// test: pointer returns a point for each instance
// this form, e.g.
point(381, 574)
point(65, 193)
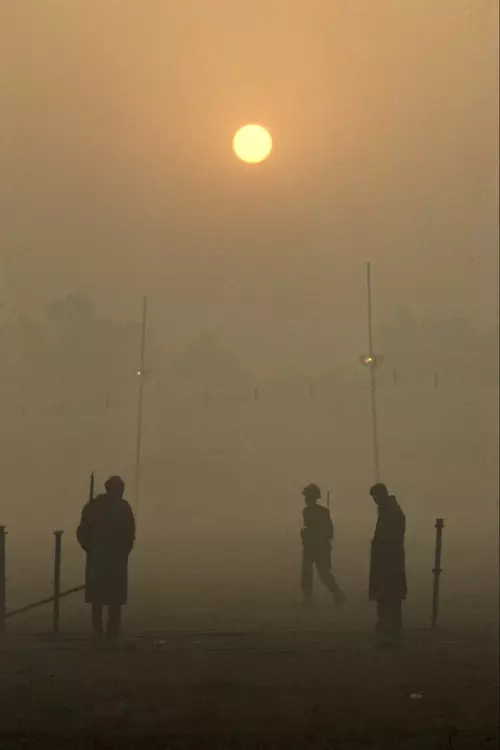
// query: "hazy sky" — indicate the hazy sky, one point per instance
point(117, 173)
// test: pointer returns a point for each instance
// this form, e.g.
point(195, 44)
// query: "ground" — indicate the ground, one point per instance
point(259, 688)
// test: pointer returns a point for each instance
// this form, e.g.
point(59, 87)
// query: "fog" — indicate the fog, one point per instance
point(118, 181)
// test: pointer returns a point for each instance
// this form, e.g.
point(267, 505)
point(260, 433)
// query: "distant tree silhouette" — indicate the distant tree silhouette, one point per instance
point(94, 354)
point(455, 346)
point(206, 363)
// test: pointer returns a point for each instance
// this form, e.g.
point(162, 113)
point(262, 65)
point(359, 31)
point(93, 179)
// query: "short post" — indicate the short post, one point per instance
point(3, 607)
point(437, 571)
point(57, 580)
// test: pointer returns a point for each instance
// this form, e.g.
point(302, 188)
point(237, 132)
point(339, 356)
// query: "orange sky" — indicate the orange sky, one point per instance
point(118, 176)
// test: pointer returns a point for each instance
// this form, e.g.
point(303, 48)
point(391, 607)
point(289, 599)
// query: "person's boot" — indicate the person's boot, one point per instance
point(98, 638)
point(114, 623)
point(386, 639)
point(97, 627)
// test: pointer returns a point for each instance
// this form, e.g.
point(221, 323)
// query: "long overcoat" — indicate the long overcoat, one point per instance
point(387, 563)
point(106, 533)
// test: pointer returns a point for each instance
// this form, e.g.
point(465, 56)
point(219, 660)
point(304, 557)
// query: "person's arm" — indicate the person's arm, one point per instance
point(329, 527)
point(398, 527)
point(303, 531)
point(83, 530)
point(129, 528)
point(390, 530)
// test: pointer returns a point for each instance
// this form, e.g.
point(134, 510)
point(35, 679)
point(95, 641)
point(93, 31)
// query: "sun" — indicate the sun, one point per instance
point(252, 144)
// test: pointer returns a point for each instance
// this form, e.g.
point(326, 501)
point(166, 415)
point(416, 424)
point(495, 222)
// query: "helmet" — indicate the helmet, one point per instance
point(115, 484)
point(379, 490)
point(312, 491)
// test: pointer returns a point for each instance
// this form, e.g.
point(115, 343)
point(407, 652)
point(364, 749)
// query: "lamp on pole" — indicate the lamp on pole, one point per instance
point(140, 400)
point(371, 361)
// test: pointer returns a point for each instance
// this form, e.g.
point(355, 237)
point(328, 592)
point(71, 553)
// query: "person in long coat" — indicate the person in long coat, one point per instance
point(107, 534)
point(387, 584)
point(317, 537)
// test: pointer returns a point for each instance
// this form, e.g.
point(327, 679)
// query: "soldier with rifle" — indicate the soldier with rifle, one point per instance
point(107, 533)
point(317, 537)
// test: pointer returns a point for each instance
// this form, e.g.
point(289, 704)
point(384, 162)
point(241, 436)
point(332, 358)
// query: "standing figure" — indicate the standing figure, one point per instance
point(387, 566)
point(107, 533)
point(317, 536)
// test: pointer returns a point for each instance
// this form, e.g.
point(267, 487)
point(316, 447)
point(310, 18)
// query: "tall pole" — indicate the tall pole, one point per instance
point(437, 571)
point(372, 363)
point(3, 535)
point(57, 581)
point(141, 374)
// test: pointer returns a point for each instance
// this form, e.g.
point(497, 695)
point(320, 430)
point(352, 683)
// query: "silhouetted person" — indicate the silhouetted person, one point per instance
point(107, 533)
point(387, 566)
point(317, 536)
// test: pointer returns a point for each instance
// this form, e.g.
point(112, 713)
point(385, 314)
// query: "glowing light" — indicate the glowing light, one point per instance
point(371, 360)
point(252, 144)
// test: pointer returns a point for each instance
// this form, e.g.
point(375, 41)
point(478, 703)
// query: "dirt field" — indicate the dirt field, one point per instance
point(312, 687)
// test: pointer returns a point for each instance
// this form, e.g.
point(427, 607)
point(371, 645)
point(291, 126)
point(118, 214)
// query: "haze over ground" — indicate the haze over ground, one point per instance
point(118, 180)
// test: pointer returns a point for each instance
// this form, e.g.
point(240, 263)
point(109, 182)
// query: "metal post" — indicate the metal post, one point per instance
point(373, 384)
point(57, 580)
point(437, 571)
point(3, 535)
point(91, 486)
point(141, 374)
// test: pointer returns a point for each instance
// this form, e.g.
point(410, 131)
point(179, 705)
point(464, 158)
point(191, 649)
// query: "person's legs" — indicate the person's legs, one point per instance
point(96, 614)
point(307, 575)
point(383, 626)
point(380, 618)
point(114, 621)
point(397, 619)
point(323, 566)
point(389, 623)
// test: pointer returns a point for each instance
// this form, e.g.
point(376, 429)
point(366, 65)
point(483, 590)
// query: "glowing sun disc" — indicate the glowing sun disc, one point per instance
point(252, 144)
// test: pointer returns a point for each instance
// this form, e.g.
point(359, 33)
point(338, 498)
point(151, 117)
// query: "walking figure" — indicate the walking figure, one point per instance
point(107, 533)
point(387, 566)
point(317, 537)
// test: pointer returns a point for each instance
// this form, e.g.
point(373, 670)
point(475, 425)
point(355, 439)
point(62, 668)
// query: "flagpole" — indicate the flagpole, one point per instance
point(372, 363)
point(140, 401)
